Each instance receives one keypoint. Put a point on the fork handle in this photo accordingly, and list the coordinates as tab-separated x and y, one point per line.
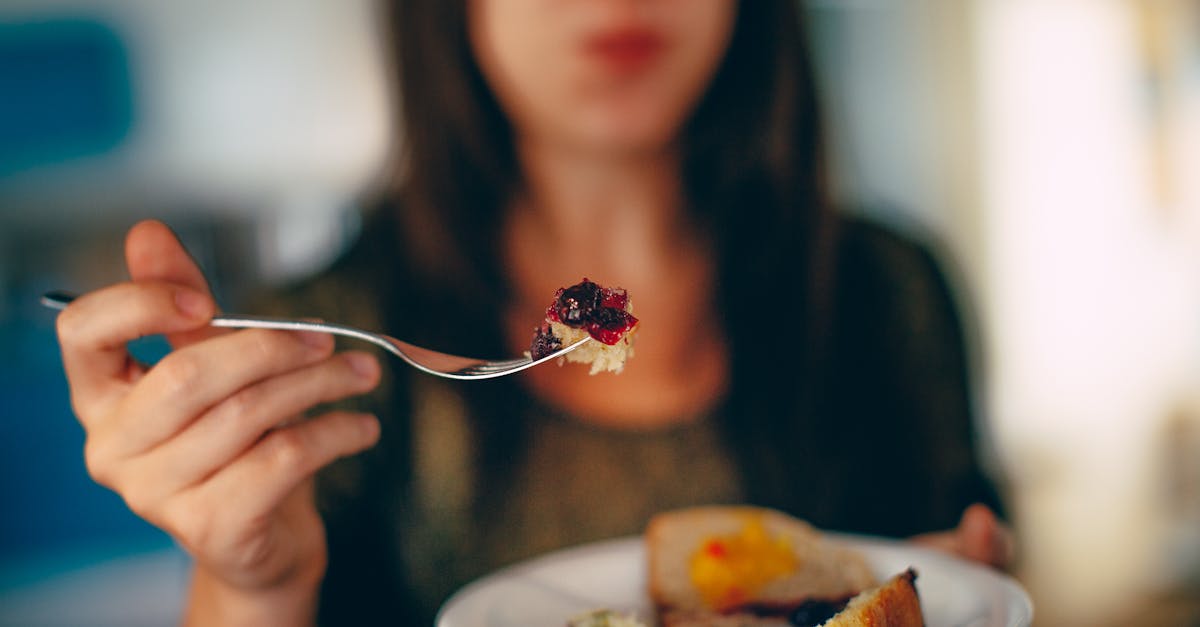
59	299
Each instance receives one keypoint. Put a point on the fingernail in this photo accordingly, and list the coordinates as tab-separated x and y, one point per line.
362	365
192	304
316	339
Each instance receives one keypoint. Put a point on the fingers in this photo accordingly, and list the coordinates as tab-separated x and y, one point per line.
234	517
193	444
258	480
189	381
94	329
154	253
168	295
980	536
234	425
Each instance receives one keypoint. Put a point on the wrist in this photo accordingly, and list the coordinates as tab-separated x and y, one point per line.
213	601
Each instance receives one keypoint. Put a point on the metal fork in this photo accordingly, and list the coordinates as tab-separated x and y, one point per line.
423	359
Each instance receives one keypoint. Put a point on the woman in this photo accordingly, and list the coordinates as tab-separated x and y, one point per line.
786	357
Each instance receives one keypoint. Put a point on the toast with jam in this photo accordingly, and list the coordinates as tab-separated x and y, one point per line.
740	566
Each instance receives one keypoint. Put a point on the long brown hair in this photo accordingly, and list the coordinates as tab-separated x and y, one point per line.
753	169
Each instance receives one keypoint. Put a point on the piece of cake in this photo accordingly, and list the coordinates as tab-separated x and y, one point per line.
587	309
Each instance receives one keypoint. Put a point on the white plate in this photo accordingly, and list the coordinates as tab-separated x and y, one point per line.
548	590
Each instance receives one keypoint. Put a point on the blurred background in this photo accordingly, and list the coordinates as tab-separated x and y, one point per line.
1050	148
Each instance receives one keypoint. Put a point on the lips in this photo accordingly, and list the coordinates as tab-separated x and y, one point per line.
626	50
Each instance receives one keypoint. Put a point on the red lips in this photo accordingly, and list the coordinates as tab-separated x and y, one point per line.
625	50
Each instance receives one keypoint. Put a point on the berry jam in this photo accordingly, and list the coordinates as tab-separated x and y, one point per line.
574	305
598	310
544	343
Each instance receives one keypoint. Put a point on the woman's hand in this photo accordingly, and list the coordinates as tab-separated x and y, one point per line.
979	536
205	444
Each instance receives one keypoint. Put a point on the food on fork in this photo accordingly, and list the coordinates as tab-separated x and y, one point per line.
725	566
586	309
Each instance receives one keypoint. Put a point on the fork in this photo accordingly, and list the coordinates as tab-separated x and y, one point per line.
423	359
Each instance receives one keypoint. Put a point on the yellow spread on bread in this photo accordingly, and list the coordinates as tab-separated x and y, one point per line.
729	569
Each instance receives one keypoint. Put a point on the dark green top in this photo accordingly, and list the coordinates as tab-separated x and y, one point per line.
448	496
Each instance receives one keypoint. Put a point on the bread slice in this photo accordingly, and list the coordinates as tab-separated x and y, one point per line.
820	569
739	566
894	604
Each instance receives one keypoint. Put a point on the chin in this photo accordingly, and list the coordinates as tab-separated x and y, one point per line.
634	144
641	119
632	134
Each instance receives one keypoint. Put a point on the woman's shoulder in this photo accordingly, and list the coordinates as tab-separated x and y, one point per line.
868	244
897	285
877	259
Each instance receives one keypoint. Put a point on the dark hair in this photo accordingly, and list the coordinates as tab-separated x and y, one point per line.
753	171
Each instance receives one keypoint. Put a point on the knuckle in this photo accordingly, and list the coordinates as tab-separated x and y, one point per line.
244	402
265	349
139	501
286	451
80	406
98	464
267	345
143	496
262	344
188	521
178	372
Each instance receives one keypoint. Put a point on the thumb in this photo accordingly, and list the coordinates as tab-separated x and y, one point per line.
154	253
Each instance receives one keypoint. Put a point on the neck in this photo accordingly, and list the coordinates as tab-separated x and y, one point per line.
596	203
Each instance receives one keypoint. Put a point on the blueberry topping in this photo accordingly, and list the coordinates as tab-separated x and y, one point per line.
610	319
575	304
601	311
544	343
